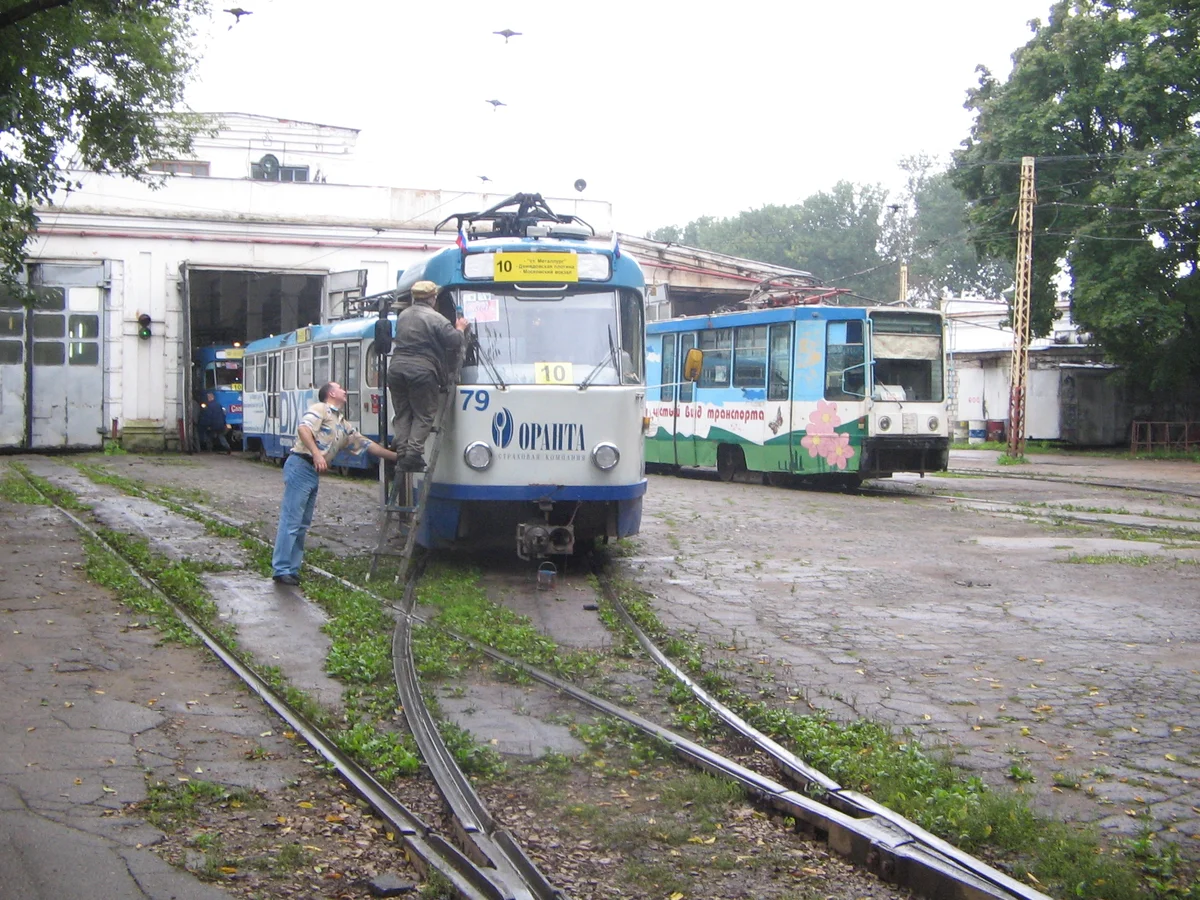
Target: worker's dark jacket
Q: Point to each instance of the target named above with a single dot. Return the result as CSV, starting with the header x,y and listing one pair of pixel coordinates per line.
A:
x,y
426,341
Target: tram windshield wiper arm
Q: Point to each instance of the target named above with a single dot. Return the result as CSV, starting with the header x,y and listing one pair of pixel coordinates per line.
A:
x,y
611,358
487,363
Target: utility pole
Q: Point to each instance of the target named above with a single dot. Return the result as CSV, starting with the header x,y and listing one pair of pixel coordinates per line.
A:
x,y
1020,312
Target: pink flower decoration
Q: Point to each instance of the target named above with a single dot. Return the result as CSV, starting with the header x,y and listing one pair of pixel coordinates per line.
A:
x,y
816,444
838,451
824,419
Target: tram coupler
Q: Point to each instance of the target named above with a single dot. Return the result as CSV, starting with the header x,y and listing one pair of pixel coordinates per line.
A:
x,y
538,539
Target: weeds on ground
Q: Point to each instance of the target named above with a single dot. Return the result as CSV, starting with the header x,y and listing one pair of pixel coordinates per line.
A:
x,y
897,772
16,489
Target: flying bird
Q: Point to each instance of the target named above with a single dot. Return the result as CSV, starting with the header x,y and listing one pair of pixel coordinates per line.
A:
x,y
483,178
507,33
237,12
495,103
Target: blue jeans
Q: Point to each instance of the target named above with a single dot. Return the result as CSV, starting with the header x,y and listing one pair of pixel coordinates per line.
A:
x,y
300,483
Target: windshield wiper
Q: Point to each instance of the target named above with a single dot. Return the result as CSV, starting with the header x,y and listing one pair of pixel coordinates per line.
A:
x,y
487,363
612,358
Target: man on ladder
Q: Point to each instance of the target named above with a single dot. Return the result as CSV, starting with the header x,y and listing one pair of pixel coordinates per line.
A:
x,y
424,352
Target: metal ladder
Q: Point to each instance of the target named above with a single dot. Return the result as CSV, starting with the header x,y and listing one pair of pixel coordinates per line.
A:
x,y
399,514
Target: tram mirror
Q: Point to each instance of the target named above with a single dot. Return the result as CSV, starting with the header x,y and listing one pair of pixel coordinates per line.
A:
x,y
854,379
693,362
383,337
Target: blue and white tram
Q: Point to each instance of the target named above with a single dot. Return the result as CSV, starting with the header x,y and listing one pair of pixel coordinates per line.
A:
x,y
545,445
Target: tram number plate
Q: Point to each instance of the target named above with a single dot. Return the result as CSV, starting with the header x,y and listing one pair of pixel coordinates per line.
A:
x,y
536,267
553,373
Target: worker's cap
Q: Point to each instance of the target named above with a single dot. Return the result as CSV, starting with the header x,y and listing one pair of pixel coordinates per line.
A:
x,y
423,290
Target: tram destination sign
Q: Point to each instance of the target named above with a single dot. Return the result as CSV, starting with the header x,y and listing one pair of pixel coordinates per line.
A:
x,y
558,267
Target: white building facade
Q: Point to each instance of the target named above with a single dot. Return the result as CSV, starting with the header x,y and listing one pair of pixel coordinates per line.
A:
x,y
249,238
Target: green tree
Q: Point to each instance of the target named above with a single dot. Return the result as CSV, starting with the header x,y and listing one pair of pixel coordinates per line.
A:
x,y
1106,95
930,231
86,85
835,235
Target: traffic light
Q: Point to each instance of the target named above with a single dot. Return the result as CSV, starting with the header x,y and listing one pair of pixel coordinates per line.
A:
x,y
144,326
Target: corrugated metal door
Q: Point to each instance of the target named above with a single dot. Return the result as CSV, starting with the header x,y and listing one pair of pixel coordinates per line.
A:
x,y
51,366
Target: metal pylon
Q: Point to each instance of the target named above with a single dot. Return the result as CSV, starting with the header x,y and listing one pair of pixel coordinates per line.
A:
x,y
1020,311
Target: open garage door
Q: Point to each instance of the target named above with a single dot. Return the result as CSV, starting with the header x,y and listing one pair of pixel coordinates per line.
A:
x,y
228,308
52,360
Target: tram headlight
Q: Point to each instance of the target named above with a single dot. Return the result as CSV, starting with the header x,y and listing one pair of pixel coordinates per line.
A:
x,y
605,456
885,422
478,455
933,423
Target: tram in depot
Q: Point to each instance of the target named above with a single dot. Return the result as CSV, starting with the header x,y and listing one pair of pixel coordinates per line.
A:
x,y
802,393
218,370
544,444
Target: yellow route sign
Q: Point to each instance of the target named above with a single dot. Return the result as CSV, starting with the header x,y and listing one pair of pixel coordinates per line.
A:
x,y
553,373
536,267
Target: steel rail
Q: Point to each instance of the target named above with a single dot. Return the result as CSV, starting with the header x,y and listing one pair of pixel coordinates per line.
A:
x,y
482,839
855,826
494,846
843,799
426,849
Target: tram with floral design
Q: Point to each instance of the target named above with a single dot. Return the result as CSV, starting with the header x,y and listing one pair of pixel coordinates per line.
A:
x,y
808,393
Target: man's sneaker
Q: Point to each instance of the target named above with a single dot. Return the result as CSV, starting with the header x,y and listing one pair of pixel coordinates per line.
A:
x,y
285,579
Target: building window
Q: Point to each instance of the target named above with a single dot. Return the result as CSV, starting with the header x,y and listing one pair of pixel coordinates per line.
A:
x,y
269,169
179,167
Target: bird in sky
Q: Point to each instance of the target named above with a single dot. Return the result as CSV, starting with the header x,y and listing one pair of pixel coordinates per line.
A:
x,y
507,33
495,103
237,12
483,178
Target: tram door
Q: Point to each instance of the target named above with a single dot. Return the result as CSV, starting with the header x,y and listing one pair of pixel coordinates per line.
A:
x,y
687,409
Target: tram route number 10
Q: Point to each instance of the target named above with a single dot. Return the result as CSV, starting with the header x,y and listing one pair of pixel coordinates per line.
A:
x,y
553,373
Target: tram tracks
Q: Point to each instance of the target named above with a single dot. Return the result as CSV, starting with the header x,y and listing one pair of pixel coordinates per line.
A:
x,y
493,865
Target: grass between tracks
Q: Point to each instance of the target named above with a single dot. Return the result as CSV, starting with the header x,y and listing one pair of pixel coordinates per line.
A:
x,y
867,756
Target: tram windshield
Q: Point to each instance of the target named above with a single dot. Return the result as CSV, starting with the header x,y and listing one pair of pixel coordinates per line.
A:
x,y
585,338
224,373
907,353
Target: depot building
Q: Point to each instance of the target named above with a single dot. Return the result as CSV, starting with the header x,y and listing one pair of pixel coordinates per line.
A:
x,y
258,234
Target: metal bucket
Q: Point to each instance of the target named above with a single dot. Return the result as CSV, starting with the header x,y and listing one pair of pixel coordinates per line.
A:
x,y
547,575
976,431
960,431
996,430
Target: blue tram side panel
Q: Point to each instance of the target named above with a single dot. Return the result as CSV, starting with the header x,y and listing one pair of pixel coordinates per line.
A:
x,y
219,369
285,372
545,443
827,393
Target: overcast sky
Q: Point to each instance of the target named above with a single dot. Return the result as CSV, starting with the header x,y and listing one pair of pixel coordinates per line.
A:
x,y
669,110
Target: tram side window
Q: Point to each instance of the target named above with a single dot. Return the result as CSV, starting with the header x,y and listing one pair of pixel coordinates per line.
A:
x,y
338,372
668,367
750,357
304,368
633,338
716,345
845,369
779,378
352,384
289,370
320,365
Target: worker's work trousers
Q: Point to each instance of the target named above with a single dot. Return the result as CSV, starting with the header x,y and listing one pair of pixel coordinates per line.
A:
x,y
415,397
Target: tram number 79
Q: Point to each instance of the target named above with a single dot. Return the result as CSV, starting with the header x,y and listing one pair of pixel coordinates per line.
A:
x,y
481,399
